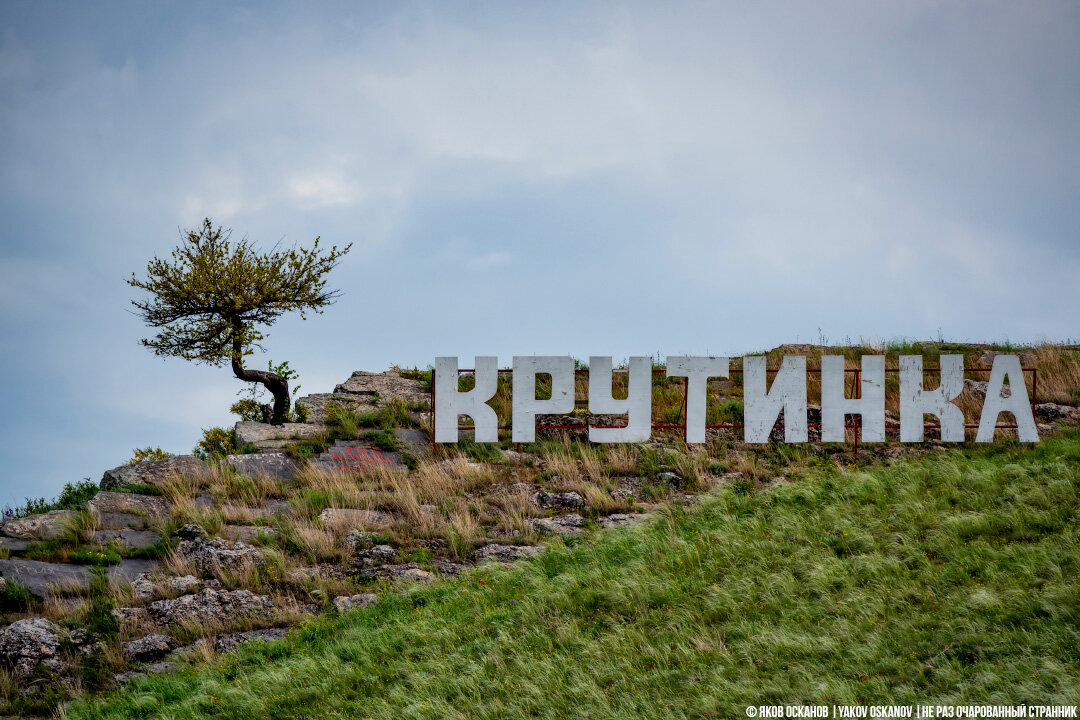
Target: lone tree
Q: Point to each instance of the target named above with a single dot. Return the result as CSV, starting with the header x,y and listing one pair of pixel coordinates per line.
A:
x,y
210,298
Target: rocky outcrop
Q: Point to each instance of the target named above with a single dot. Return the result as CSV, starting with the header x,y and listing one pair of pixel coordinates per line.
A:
x,y
348,517
209,605
190,531
25,644
357,540
1052,412
274,437
561,525
558,501
149,648
153,472
209,555
620,519
506,553
345,603
45,526
149,506
230,641
278,466
365,392
374,556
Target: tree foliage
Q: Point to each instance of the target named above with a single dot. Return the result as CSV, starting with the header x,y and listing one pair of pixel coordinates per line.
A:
x,y
212,298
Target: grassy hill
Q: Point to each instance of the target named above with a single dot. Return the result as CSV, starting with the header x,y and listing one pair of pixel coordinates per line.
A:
x,y
947,578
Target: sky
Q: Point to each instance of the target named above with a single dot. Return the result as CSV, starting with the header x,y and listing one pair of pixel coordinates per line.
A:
x,y
516,178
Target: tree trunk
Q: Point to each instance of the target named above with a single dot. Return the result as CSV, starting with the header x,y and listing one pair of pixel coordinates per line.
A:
x,y
277,385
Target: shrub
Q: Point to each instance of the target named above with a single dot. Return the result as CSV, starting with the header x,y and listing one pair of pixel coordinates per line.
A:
x,y
148,453
16,597
94,556
72,497
216,444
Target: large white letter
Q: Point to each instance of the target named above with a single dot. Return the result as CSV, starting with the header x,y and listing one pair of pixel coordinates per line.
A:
x,y
1017,403
697,371
761,408
916,402
449,403
526,405
835,404
637,406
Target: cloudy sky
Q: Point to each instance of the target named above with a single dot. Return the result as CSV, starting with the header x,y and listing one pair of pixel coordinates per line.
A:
x,y
585,178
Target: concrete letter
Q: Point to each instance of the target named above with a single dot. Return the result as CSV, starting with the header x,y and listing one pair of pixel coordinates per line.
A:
x,y
449,403
1017,403
835,404
916,402
526,406
761,409
697,371
637,406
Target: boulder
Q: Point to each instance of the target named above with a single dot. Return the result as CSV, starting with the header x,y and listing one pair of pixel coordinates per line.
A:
x,y
365,392
121,521
375,556
506,553
349,517
278,466
45,526
153,472
345,603
558,501
151,647
24,644
208,555
561,525
356,456
14,545
190,531
142,587
274,437
230,641
1051,412
40,577
127,538
147,506
183,583
209,605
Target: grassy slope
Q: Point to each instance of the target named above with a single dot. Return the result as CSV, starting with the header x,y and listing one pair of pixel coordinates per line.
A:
x,y
948,579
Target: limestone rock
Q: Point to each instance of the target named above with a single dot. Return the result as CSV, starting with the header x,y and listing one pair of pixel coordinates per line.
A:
x,y
272,465
151,647
183,583
1051,412
210,554
190,531
127,538
357,540
149,506
142,587
153,472
348,517
230,641
130,615
248,533
26,643
558,500
40,577
344,603
620,519
365,392
562,525
274,437
506,553
46,526
375,556
209,605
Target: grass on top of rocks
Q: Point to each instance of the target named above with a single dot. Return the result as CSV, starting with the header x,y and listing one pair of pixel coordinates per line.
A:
x,y
954,577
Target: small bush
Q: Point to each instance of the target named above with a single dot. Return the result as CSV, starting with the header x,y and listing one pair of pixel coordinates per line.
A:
x,y
216,444
148,453
94,556
72,497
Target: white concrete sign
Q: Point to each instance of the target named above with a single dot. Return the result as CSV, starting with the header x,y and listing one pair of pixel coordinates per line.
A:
x,y
763,402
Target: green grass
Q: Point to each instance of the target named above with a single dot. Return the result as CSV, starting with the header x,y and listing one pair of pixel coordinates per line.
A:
x,y
949,579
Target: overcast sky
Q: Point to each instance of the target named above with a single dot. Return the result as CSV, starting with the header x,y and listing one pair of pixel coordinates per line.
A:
x,y
584,178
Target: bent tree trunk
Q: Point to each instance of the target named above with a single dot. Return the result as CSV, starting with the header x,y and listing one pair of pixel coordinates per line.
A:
x,y
276,384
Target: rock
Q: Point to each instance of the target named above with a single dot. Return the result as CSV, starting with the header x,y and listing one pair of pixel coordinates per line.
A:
x,y
375,556
410,571
125,677
127,538
153,472
1051,412
39,577
248,533
627,488
672,480
148,506
357,456
183,583
142,587
130,615
558,501
620,519
231,641
416,575
344,603
348,517
45,526
210,555
357,540
151,647
190,531
24,644
269,510
3,585
278,466
162,668
520,458
978,389
563,525
365,392
121,521
209,605
274,437
506,553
